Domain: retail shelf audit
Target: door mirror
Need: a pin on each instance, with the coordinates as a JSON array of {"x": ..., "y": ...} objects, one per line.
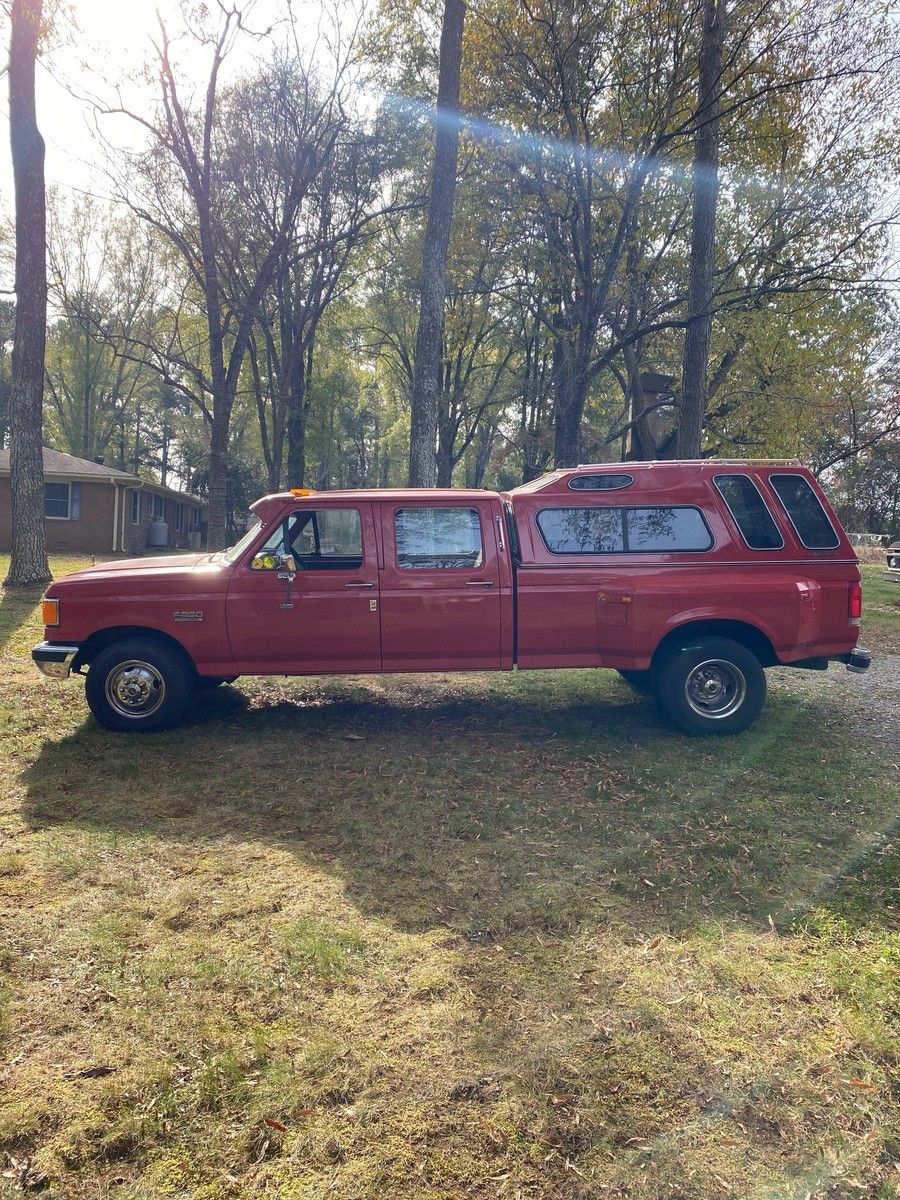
[{"x": 287, "y": 564}]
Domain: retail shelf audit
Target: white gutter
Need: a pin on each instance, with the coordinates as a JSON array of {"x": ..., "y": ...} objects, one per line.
[{"x": 115, "y": 515}]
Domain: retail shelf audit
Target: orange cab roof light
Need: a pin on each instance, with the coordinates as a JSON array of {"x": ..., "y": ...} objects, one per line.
[{"x": 301, "y": 491}]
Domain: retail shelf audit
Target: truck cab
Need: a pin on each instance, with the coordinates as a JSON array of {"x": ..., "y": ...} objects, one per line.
[{"x": 689, "y": 578}]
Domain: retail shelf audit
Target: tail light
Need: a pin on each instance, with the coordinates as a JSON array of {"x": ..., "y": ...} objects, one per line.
[
  {"x": 854, "y": 608},
  {"x": 50, "y": 611}
]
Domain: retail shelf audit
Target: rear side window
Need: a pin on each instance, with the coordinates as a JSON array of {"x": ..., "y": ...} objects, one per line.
[
  {"x": 430, "y": 538},
  {"x": 806, "y": 513},
  {"x": 749, "y": 510},
  {"x": 598, "y": 530}
]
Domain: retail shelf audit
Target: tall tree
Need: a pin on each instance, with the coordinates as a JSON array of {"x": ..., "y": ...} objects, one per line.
[
  {"x": 423, "y": 430},
  {"x": 703, "y": 230},
  {"x": 29, "y": 548}
]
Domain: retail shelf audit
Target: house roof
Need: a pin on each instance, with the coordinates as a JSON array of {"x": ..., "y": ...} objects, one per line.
[
  {"x": 57, "y": 463},
  {"x": 160, "y": 490},
  {"x": 67, "y": 466}
]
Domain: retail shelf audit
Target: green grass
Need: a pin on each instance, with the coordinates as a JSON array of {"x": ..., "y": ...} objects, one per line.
[
  {"x": 514, "y": 937},
  {"x": 881, "y": 609}
]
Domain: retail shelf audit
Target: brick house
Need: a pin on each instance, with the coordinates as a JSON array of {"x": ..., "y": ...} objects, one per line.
[{"x": 93, "y": 509}]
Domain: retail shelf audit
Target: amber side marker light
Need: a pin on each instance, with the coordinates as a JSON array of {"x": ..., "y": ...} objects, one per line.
[{"x": 50, "y": 612}]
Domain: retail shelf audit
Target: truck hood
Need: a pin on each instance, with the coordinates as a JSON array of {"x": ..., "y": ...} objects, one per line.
[{"x": 168, "y": 566}]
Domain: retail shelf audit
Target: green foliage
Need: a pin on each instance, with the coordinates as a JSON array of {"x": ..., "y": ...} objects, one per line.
[{"x": 568, "y": 263}]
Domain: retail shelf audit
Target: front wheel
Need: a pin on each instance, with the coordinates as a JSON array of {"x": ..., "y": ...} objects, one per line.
[
  {"x": 713, "y": 686},
  {"x": 138, "y": 684}
]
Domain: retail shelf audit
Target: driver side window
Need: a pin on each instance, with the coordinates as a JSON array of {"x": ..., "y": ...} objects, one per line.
[{"x": 320, "y": 539}]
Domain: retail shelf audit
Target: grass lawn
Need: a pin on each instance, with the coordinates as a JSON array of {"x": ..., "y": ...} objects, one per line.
[
  {"x": 456, "y": 936},
  {"x": 881, "y": 607}
]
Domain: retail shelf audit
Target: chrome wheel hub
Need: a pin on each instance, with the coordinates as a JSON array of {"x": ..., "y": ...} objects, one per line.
[
  {"x": 715, "y": 688},
  {"x": 135, "y": 689}
]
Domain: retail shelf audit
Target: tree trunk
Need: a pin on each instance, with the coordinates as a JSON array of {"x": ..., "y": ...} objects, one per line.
[
  {"x": 217, "y": 535},
  {"x": 28, "y": 565},
  {"x": 444, "y": 464},
  {"x": 703, "y": 232},
  {"x": 426, "y": 373},
  {"x": 569, "y": 394},
  {"x": 297, "y": 415}
]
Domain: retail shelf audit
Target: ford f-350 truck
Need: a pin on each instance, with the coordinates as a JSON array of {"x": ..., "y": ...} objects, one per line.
[{"x": 689, "y": 578}]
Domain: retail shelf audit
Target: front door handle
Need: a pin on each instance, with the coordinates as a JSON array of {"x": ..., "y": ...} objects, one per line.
[
  {"x": 480, "y": 583},
  {"x": 368, "y": 586}
]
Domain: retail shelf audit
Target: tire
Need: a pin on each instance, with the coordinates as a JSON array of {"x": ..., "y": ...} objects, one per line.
[
  {"x": 138, "y": 685},
  {"x": 641, "y": 681},
  {"x": 712, "y": 686}
]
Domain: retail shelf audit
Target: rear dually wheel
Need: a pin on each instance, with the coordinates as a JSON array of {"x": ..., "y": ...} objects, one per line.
[{"x": 711, "y": 686}]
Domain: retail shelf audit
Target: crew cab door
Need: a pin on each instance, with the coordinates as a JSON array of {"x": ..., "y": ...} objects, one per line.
[
  {"x": 440, "y": 586},
  {"x": 326, "y": 618}
]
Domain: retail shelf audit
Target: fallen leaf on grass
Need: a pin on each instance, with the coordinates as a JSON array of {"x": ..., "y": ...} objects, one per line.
[
  {"x": 862, "y": 1085},
  {"x": 27, "y": 1178},
  {"x": 91, "y": 1072},
  {"x": 273, "y": 1124}
]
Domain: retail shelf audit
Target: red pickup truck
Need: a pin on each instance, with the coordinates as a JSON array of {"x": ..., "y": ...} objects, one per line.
[{"x": 687, "y": 577}]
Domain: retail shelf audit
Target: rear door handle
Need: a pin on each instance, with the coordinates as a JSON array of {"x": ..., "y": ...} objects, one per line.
[
  {"x": 479, "y": 583},
  {"x": 368, "y": 586}
]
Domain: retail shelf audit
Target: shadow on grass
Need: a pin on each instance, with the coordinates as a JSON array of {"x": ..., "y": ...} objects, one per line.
[{"x": 488, "y": 812}]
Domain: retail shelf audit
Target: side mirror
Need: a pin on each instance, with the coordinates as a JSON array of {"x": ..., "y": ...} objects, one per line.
[{"x": 287, "y": 565}]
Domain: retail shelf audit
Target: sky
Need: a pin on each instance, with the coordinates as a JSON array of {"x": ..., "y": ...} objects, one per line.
[
  {"x": 109, "y": 37},
  {"x": 101, "y": 43}
]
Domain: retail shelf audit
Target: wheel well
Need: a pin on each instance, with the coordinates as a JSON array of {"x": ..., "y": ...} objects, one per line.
[
  {"x": 739, "y": 631},
  {"x": 105, "y": 637}
]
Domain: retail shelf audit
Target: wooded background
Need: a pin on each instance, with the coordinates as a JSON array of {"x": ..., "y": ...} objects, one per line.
[{"x": 669, "y": 226}]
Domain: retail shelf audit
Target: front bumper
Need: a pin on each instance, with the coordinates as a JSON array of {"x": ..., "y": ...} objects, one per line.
[{"x": 54, "y": 659}]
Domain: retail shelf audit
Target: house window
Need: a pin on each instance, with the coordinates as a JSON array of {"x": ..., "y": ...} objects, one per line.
[
  {"x": 134, "y": 507},
  {"x": 159, "y": 505},
  {"x": 179, "y": 517},
  {"x": 62, "y": 501}
]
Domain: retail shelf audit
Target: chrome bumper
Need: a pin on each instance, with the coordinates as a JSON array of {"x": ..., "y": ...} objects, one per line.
[{"x": 53, "y": 659}]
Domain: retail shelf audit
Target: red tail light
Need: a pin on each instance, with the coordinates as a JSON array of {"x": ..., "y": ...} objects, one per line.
[{"x": 854, "y": 610}]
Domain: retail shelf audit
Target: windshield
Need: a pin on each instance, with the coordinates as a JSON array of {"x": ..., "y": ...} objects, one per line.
[{"x": 234, "y": 552}]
